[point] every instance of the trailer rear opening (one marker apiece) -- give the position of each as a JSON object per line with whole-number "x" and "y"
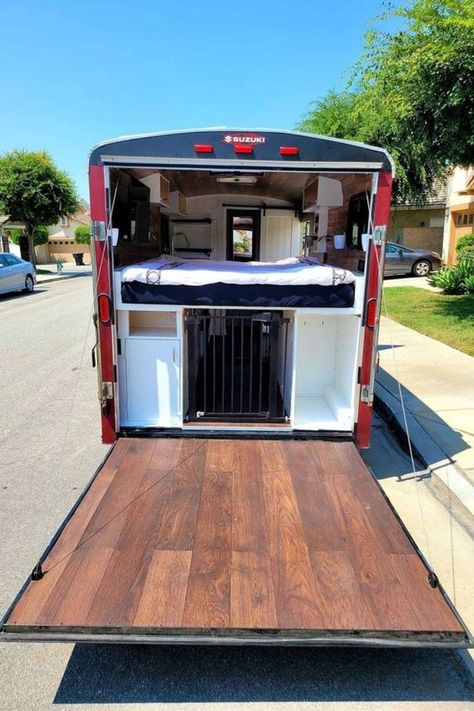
{"x": 237, "y": 541}
{"x": 236, "y": 350}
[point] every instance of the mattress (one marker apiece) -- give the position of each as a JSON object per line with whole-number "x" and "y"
{"x": 294, "y": 271}
{"x": 293, "y": 283}
{"x": 254, "y": 295}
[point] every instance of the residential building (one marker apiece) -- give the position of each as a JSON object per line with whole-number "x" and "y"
{"x": 420, "y": 224}
{"x": 460, "y": 210}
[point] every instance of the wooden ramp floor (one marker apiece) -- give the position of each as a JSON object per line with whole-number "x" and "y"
{"x": 235, "y": 538}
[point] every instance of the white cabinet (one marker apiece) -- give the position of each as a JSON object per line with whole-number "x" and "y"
{"x": 152, "y": 382}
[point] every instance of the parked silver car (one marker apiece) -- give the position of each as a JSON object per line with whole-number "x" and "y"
{"x": 405, "y": 260}
{"x": 15, "y": 274}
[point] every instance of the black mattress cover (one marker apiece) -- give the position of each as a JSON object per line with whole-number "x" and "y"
{"x": 254, "y": 295}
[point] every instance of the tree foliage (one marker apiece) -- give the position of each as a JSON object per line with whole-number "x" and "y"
{"x": 40, "y": 235}
{"x": 33, "y": 190}
{"x": 82, "y": 234}
{"x": 411, "y": 92}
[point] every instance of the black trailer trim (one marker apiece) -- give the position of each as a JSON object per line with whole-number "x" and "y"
{"x": 198, "y": 432}
{"x": 178, "y": 148}
{"x": 235, "y": 637}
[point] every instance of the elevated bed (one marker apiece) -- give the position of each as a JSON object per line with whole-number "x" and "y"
{"x": 291, "y": 283}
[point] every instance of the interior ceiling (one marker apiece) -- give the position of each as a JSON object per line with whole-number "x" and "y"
{"x": 278, "y": 185}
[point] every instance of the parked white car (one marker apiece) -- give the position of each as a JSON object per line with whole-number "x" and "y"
{"x": 15, "y": 274}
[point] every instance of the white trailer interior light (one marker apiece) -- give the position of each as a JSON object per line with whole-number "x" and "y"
{"x": 242, "y": 179}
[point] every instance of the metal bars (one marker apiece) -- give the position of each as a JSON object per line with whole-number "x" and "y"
{"x": 237, "y": 365}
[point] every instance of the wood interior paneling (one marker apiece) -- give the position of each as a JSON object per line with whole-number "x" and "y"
{"x": 194, "y": 534}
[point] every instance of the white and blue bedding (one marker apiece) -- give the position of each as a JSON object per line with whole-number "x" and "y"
{"x": 294, "y": 271}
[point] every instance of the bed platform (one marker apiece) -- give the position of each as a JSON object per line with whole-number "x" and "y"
{"x": 240, "y": 541}
{"x": 295, "y": 282}
{"x": 254, "y": 295}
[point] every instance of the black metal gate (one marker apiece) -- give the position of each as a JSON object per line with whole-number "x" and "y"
{"x": 237, "y": 365}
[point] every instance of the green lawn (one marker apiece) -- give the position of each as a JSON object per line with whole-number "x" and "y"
{"x": 449, "y": 319}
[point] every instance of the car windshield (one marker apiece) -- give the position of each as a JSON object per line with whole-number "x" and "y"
{"x": 3, "y": 260}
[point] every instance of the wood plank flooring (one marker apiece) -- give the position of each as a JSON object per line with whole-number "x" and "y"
{"x": 196, "y": 534}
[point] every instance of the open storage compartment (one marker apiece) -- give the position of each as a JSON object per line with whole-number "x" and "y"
{"x": 157, "y": 324}
{"x": 326, "y": 361}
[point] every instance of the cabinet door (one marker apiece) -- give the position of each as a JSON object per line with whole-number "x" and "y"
{"x": 153, "y": 382}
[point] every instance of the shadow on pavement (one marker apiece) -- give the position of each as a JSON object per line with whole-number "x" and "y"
{"x": 106, "y": 674}
{"x": 15, "y": 295}
{"x": 448, "y": 439}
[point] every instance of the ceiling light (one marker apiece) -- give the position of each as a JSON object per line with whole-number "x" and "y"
{"x": 237, "y": 179}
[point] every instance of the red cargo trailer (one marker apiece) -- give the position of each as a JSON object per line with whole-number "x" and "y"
{"x": 237, "y": 281}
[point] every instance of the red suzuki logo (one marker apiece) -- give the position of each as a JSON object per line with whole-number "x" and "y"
{"x": 241, "y": 138}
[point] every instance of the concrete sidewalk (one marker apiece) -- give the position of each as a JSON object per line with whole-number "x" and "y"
{"x": 69, "y": 271}
{"x": 437, "y": 384}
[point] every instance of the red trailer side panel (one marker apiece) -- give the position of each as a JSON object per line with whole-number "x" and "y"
{"x": 103, "y": 287}
{"x": 381, "y": 217}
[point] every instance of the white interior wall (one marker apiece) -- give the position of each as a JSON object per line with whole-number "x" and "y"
{"x": 280, "y": 230}
{"x": 346, "y": 357}
{"x": 281, "y": 235}
{"x": 315, "y": 349}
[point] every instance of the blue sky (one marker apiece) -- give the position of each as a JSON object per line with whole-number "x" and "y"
{"x": 75, "y": 73}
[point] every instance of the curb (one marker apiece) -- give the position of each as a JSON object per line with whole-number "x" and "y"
{"x": 52, "y": 278}
{"x": 448, "y": 481}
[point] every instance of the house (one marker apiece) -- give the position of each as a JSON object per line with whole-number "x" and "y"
{"x": 460, "y": 210}
{"x": 6, "y": 227}
{"x": 420, "y": 224}
{"x": 61, "y": 244}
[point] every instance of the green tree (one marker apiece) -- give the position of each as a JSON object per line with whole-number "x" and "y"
{"x": 82, "y": 234}
{"x": 411, "y": 93}
{"x": 40, "y": 235}
{"x": 34, "y": 191}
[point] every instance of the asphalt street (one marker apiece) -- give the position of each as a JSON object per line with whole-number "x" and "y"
{"x": 49, "y": 448}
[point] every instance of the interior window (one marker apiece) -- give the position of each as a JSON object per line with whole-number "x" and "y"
{"x": 243, "y": 235}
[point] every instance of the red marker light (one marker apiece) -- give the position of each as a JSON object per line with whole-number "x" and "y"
{"x": 289, "y": 150}
{"x": 242, "y": 148}
{"x": 203, "y": 148}
{"x": 104, "y": 307}
{"x": 371, "y": 319}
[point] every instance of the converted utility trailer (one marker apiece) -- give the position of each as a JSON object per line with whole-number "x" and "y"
{"x": 235, "y": 354}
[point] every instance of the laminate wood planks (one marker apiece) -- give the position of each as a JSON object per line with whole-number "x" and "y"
{"x": 208, "y": 592}
{"x": 231, "y": 535}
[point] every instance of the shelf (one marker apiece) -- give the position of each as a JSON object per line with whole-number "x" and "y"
{"x": 154, "y": 324}
{"x": 151, "y": 332}
{"x": 314, "y": 413}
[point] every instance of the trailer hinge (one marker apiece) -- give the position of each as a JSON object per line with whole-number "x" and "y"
{"x": 106, "y": 394}
{"x": 359, "y": 369}
{"x": 119, "y": 346}
{"x": 433, "y": 579}
{"x": 365, "y": 395}
{"x": 380, "y": 232}
{"x": 115, "y": 373}
{"x": 107, "y": 391}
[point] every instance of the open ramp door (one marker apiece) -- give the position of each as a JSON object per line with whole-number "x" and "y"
{"x": 234, "y": 541}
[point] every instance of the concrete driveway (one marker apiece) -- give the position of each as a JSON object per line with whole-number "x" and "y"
{"x": 49, "y": 446}
{"x": 419, "y": 282}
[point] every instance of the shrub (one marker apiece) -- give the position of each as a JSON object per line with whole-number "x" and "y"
{"x": 82, "y": 234}
{"x": 465, "y": 243}
{"x": 40, "y": 235}
{"x": 455, "y": 280}
{"x": 469, "y": 284}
